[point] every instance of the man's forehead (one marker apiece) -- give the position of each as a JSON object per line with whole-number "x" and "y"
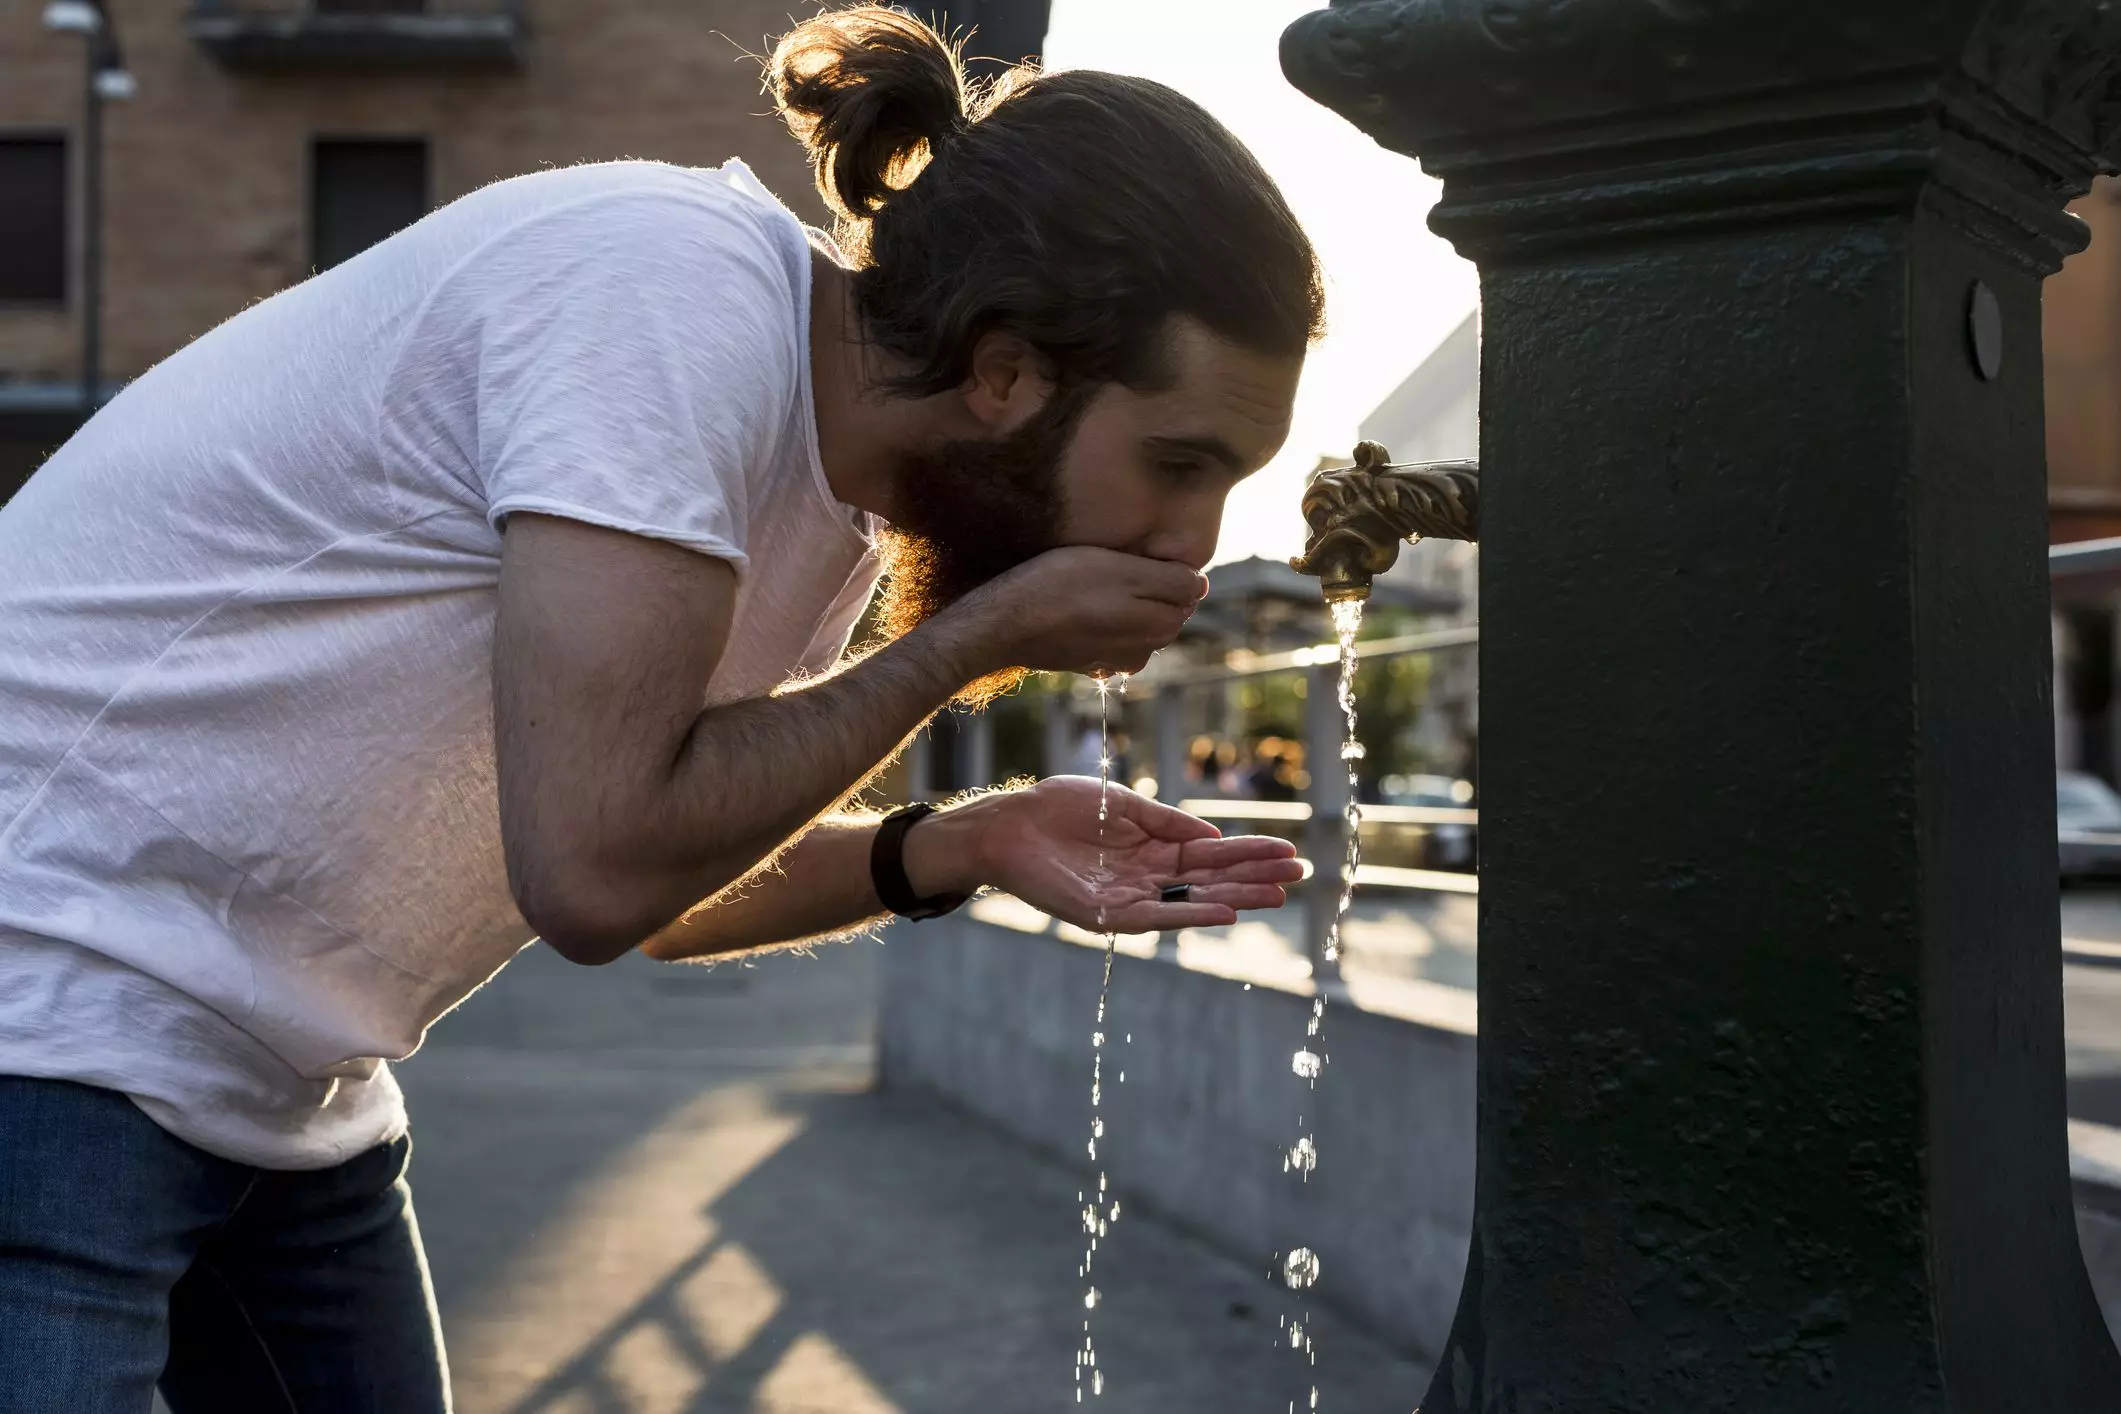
{"x": 1224, "y": 392}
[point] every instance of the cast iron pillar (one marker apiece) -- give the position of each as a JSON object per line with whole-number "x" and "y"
{"x": 1771, "y": 1085}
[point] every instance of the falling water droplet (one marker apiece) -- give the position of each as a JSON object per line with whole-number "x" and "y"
{"x": 1303, "y": 1157}
{"x": 1090, "y": 1298}
{"x": 1305, "y": 1064}
{"x": 1300, "y": 1269}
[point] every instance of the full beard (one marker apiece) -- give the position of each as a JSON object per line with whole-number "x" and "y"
{"x": 967, "y": 512}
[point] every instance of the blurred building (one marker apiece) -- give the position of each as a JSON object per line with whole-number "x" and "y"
{"x": 269, "y": 139}
{"x": 2083, "y": 321}
{"x": 1434, "y": 416}
{"x": 2083, "y": 348}
{"x": 1265, "y": 606}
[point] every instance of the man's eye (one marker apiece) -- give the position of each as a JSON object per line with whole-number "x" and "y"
{"x": 1179, "y": 470}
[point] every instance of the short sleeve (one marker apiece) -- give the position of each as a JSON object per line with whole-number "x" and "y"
{"x": 637, "y": 355}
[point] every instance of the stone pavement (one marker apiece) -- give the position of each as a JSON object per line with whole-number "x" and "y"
{"x": 660, "y": 1190}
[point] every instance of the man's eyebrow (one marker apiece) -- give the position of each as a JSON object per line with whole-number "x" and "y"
{"x": 1213, "y": 448}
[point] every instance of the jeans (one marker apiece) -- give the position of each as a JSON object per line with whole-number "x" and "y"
{"x": 129, "y": 1259}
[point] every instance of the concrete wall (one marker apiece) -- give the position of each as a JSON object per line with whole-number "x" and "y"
{"x": 998, "y": 1020}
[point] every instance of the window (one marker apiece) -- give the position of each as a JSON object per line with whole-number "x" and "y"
{"x": 362, "y": 191}
{"x": 32, "y": 220}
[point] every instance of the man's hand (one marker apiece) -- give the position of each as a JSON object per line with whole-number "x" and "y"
{"x": 1044, "y": 845}
{"x": 1077, "y": 609}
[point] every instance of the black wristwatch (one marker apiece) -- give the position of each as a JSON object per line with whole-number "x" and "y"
{"x": 887, "y": 868}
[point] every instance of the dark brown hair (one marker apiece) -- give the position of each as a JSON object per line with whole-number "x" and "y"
{"x": 1080, "y": 210}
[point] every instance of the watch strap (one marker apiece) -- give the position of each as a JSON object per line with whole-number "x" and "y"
{"x": 887, "y": 867}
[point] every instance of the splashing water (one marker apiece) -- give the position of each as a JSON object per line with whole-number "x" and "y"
{"x": 1300, "y": 1267}
{"x": 1097, "y": 1217}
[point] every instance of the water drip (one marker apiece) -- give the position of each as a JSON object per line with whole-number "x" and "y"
{"x": 1095, "y": 1227}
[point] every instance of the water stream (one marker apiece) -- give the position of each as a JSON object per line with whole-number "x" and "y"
{"x": 1099, "y": 1210}
{"x": 1300, "y": 1267}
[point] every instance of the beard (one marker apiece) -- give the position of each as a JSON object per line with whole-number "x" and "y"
{"x": 969, "y": 511}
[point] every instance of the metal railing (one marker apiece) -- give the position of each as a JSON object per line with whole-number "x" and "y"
{"x": 1317, "y": 818}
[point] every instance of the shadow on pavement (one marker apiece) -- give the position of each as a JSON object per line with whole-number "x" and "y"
{"x": 641, "y": 1200}
{"x": 892, "y": 1256}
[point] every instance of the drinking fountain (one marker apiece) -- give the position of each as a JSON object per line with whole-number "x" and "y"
{"x": 1360, "y": 515}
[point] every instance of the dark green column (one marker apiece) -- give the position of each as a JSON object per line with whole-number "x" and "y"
{"x": 1771, "y": 1080}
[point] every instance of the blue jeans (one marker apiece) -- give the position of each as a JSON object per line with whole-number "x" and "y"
{"x": 129, "y": 1259}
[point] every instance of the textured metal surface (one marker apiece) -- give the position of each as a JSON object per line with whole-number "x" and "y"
{"x": 1771, "y": 1095}
{"x": 1360, "y": 515}
{"x": 1984, "y": 330}
{"x": 1555, "y": 122}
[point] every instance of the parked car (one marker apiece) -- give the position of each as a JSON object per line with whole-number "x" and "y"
{"x": 2087, "y": 827}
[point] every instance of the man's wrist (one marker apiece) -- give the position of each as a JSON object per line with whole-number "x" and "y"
{"x": 945, "y": 853}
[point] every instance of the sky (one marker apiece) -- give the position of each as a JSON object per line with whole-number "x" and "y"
{"x": 1393, "y": 290}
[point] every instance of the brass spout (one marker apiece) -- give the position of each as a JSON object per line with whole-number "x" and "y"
{"x": 1360, "y": 516}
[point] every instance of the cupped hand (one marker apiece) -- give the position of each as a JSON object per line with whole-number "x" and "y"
{"x": 1046, "y": 847}
{"x": 1078, "y": 609}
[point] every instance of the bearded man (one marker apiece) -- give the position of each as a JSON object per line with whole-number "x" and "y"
{"x": 497, "y": 584}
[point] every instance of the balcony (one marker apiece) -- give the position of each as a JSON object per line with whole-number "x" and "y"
{"x": 360, "y": 34}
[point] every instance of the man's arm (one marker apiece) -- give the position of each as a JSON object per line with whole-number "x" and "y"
{"x": 816, "y": 890}
{"x": 623, "y": 804}
{"x": 1042, "y": 843}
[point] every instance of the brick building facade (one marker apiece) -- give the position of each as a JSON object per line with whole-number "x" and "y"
{"x": 2084, "y": 380}
{"x": 266, "y": 138}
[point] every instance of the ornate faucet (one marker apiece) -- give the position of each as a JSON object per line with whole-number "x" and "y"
{"x": 1360, "y": 515}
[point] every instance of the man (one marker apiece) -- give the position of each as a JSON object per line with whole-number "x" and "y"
{"x": 496, "y": 583}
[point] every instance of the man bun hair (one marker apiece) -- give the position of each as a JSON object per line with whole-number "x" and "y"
{"x": 1080, "y": 211}
{"x": 871, "y": 93}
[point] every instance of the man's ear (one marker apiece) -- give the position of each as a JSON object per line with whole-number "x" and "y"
{"x": 1009, "y": 383}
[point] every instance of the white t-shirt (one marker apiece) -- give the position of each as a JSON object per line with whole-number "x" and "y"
{"x": 249, "y": 844}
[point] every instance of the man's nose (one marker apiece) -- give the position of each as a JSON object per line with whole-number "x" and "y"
{"x": 1190, "y": 543}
